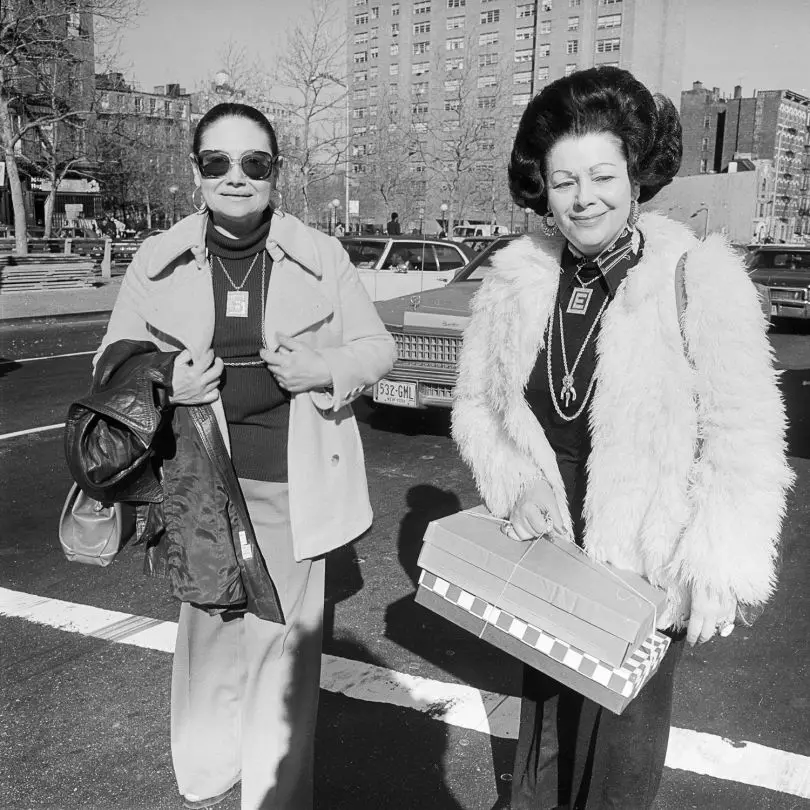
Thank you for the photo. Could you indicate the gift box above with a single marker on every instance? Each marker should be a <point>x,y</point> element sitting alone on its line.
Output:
<point>551,584</point>
<point>611,687</point>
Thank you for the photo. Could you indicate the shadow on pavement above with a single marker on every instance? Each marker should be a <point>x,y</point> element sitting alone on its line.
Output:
<point>795,385</point>
<point>406,421</point>
<point>7,366</point>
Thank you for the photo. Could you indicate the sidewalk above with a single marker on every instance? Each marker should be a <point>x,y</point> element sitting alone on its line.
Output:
<point>60,303</point>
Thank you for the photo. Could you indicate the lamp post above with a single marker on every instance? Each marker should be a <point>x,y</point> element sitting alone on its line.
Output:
<point>443,207</point>
<point>706,224</point>
<point>335,204</point>
<point>173,191</point>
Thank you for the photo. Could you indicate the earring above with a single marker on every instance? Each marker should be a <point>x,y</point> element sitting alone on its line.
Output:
<point>200,207</point>
<point>276,200</point>
<point>632,218</point>
<point>548,226</point>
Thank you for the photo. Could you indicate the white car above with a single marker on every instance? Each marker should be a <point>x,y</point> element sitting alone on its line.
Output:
<point>390,266</point>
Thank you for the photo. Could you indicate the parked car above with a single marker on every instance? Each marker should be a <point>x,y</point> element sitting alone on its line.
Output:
<point>391,266</point>
<point>427,328</point>
<point>467,231</point>
<point>784,270</point>
<point>478,243</point>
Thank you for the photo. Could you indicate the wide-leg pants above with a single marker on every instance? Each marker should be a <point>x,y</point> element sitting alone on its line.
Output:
<point>574,753</point>
<point>245,691</point>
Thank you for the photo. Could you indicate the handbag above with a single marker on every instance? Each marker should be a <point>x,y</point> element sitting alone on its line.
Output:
<point>93,532</point>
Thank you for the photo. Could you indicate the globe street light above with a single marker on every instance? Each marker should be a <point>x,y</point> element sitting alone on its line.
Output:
<point>173,191</point>
<point>443,208</point>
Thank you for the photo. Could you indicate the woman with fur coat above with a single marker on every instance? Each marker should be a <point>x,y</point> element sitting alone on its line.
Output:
<point>617,386</point>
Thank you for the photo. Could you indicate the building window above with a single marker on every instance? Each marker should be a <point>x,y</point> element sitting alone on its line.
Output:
<point>608,64</point>
<point>545,27</point>
<point>521,99</point>
<point>608,45</point>
<point>609,21</point>
<point>455,22</point>
<point>492,16</point>
<point>361,19</point>
<point>523,34</point>
<point>395,10</point>
<point>360,58</point>
<point>393,69</point>
<point>707,121</point>
<point>360,112</point>
<point>572,46</point>
<point>421,28</point>
<point>359,130</point>
<point>74,23</point>
<point>569,69</point>
<point>420,68</point>
<point>394,49</point>
<point>451,84</point>
<point>704,165</point>
<point>360,94</point>
<point>419,88</point>
<point>523,56</point>
<point>486,59</point>
<point>420,47</point>
<point>487,81</point>
<point>421,7</point>
<point>526,10</point>
<point>574,3</point>
<point>454,63</point>
<point>455,44</point>
<point>451,104</point>
<point>374,53</point>
<point>487,123</point>
<point>544,49</point>
<point>361,75</point>
<point>360,3</point>
<point>456,3</point>
<point>542,73</point>
<point>394,29</point>
<point>361,39</point>
<point>373,73</point>
<point>375,13</point>
<point>488,39</point>
<point>609,2</point>
<point>487,103</point>
<point>420,108</point>
<point>704,144</point>
<point>573,23</point>
<point>524,77</point>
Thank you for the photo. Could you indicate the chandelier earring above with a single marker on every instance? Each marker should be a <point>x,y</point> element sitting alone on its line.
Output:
<point>632,218</point>
<point>548,225</point>
<point>199,206</point>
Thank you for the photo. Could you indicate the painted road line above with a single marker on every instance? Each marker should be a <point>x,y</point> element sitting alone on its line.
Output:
<point>44,357</point>
<point>31,430</point>
<point>455,704</point>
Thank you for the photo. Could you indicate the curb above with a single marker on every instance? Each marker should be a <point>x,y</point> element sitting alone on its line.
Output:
<point>57,317</point>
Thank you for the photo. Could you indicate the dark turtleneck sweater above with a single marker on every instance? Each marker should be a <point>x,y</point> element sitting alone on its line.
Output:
<point>256,408</point>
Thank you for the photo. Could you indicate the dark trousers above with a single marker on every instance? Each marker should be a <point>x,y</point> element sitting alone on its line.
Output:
<point>574,753</point>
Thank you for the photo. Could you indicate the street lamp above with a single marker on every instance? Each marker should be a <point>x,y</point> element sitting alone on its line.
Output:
<point>173,191</point>
<point>706,224</point>
<point>335,204</point>
<point>443,207</point>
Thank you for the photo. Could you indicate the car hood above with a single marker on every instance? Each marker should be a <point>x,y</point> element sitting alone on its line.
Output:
<point>780,278</point>
<point>453,300</point>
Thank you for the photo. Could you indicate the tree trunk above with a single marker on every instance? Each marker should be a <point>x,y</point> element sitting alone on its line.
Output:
<point>148,212</point>
<point>14,182</point>
<point>50,204</point>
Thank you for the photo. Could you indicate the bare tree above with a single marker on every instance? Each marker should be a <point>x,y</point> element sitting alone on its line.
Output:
<point>46,86</point>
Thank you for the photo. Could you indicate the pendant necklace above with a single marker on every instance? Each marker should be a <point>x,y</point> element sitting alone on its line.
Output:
<point>246,363</point>
<point>568,392</point>
<point>237,299</point>
<point>581,295</point>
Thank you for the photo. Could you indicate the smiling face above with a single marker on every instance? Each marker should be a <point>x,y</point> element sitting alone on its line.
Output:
<point>589,190</point>
<point>236,202</point>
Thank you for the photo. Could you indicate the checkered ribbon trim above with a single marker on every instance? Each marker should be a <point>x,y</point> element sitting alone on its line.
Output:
<point>626,680</point>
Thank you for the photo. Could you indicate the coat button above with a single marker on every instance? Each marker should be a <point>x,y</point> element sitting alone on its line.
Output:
<point>335,460</point>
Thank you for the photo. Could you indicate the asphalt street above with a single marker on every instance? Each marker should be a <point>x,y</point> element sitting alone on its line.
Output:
<point>84,721</point>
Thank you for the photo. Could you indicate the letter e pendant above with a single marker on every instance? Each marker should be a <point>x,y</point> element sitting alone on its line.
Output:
<point>580,298</point>
<point>236,304</point>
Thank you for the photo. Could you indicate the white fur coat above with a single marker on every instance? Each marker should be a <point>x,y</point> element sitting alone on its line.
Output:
<point>687,475</point>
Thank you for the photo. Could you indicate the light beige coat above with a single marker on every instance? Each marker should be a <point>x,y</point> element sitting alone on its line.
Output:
<point>314,295</point>
<point>687,474</point>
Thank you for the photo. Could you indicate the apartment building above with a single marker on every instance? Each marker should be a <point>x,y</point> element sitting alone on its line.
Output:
<point>772,126</point>
<point>423,49</point>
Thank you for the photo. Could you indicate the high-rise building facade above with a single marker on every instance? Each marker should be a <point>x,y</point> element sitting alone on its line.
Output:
<point>420,52</point>
<point>772,125</point>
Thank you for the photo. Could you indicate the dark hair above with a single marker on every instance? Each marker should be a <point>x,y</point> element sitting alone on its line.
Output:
<point>394,215</point>
<point>604,99</point>
<point>233,110</point>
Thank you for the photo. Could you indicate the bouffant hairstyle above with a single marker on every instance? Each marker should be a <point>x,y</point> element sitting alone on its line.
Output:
<point>604,99</point>
<point>233,110</point>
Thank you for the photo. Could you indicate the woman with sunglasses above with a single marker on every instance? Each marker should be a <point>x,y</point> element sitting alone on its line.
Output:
<point>272,329</point>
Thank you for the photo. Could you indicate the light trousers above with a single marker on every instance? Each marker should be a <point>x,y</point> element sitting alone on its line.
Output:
<point>245,691</point>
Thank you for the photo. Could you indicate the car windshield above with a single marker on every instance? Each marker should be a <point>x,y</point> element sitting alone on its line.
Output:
<point>477,268</point>
<point>364,254</point>
<point>780,260</point>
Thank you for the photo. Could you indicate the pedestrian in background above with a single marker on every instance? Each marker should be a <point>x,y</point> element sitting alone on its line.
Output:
<point>603,393</point>
<point>393,227</point>
<point>340,230</point>
<point>278,335</point>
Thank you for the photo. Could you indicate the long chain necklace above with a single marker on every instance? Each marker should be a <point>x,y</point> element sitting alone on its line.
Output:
<point>245,363</point>
<point>568,392</point>
<point>237,299</point>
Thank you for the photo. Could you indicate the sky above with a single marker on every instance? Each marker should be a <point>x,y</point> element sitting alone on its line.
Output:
<point>760,44</point>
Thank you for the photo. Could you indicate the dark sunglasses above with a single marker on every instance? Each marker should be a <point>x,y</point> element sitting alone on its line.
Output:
<point>255,165</point>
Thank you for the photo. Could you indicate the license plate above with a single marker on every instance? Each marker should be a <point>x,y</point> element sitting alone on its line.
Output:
<point>774,310</point>
<point>389,392</point>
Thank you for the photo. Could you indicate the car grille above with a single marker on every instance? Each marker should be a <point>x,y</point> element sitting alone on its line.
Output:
<point>788,294</point>
<point>439,351</point>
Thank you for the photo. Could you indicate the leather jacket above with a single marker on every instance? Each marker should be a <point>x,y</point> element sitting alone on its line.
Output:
<point>125,442</point>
